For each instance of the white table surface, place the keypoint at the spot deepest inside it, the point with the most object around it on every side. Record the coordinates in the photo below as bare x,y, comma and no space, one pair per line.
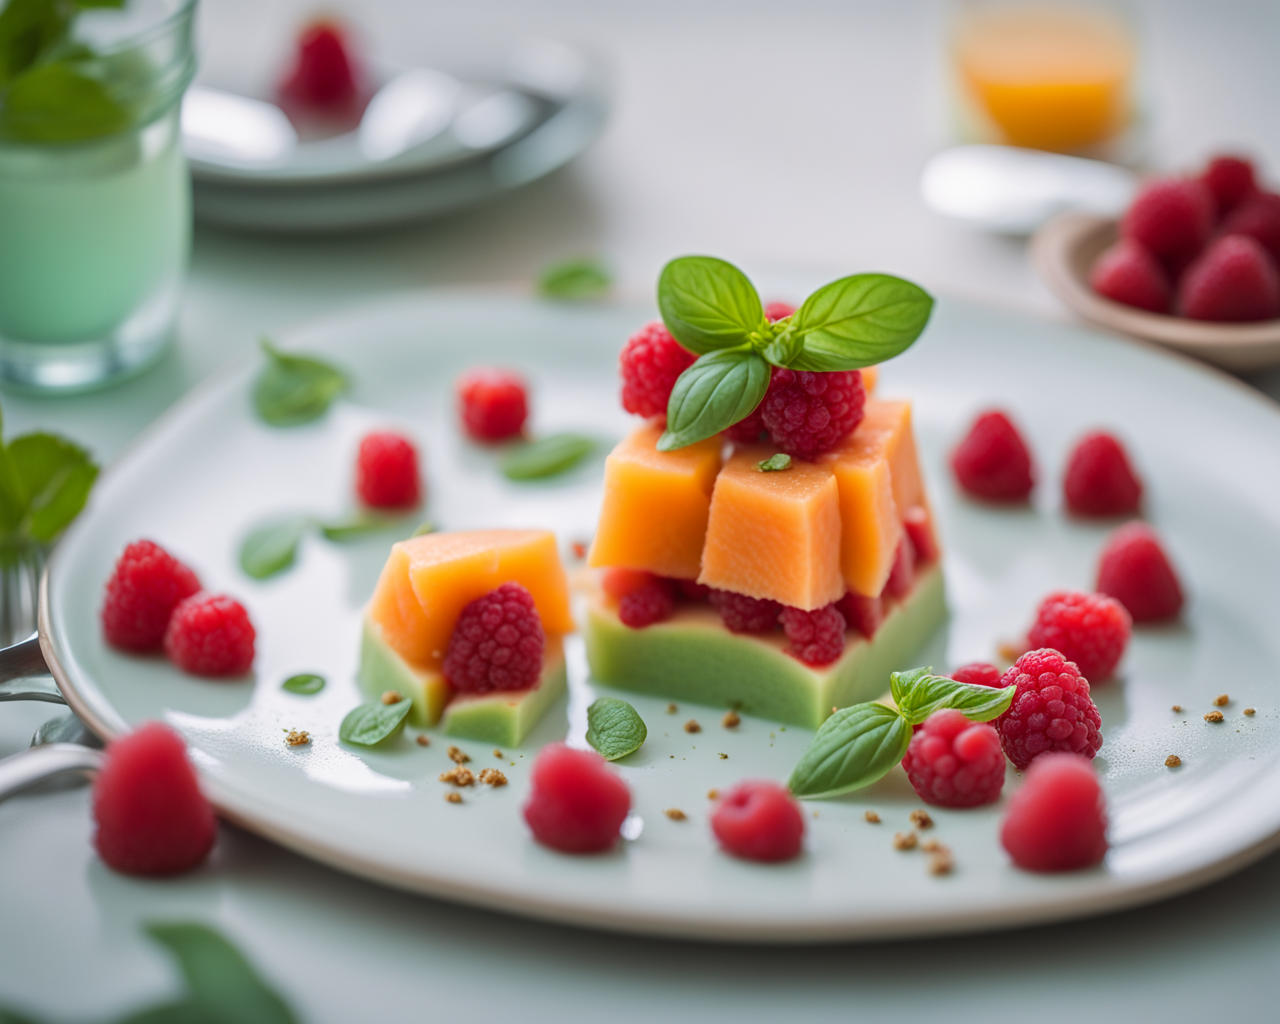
788,138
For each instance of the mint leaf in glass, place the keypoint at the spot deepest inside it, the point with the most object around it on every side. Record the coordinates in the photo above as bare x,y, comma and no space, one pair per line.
374,722
548,456
855,747
774,463
294,389
615,728
717,391
708,304
575,280
272,548
859,321
304,682
59,103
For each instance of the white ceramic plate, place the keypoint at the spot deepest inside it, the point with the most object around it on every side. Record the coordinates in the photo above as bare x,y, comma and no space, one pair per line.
209,470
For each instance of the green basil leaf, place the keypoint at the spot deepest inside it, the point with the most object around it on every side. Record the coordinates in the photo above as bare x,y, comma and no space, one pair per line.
717,391
546,457
708,304
859,321
29,29
575,279
304,682
295,389
373,722
58,103
902,683
56,476
360,525
928,693
272,548
614,728
223,985
423,528
854,747
774,463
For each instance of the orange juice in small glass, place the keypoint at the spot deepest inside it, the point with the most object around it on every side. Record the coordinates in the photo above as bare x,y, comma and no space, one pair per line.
1045,74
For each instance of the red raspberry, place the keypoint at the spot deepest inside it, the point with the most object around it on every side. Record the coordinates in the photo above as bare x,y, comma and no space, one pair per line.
758,821
210,635
749,430
1231,180
993,462
1135,571
1057,819
387,471
916,522
654,602
1173,218
1259,218
650,362
576,804
618,583
807,414
902,576
953,762
693,591
865,614
323,77
142,593
497,643
816,637
1235,280
1100,481
1052,709
152,818
494,404
977,673
779,310
1088,629
1129,274
742,614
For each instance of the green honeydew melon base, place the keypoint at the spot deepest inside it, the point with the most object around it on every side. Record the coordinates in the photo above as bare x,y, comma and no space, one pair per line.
692,657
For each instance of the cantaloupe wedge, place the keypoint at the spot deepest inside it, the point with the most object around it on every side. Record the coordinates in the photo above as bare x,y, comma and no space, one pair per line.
774,535
656,505
870,377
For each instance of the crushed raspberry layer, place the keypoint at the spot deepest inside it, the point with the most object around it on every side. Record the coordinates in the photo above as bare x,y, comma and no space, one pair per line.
993,461
759,821
576,803
742,614
494,404
953,762
1091,630
807,414
653,602
1135,570
147,585
1051,711
497,643
210,635
387,471
1100,480
650,362
1057,818
816,637
865,614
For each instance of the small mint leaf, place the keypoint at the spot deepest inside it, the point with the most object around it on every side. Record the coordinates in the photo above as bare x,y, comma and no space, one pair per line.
855,747
717,391
272,548
294,389
423,528
920,694
548,456
362,524
708,304
774,463
785,349
614,728
575,280
304,683
56,477
859,321
373,722
55,102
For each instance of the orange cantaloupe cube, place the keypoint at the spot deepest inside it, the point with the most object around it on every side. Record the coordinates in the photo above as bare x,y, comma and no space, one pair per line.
428,580
774,535
870,377
656,505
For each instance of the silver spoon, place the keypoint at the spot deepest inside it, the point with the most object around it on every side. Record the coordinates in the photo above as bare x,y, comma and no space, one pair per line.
47,761
24,674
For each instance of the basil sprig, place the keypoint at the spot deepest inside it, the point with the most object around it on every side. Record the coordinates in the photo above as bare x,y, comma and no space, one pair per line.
711,308
373,722
858,745
295,389
615,728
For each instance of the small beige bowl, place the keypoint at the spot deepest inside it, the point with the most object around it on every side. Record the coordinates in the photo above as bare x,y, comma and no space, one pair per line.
1063,252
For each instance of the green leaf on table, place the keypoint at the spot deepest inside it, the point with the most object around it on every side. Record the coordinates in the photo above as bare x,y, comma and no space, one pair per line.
58,102
546,457
774,463
362,524
615,728
373,722
859,321
222,985
56,477
919,693
305,683
855,747
575,279
718,390
708,304
272,548
293,389
423,528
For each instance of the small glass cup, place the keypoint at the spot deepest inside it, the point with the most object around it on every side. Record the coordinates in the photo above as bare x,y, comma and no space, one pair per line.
95,200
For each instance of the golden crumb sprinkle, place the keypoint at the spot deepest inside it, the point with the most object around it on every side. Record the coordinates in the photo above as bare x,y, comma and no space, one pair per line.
453,798
423,740
941,863
675,814
731,720
692,726
1177,708
672,709
498,754
871,817
459,776
1010,652
921,819
391,697
1213,716
905,840
724,757
298,738
492,776
933,846
1222,700
1172,761
457,756
1250,711
713,794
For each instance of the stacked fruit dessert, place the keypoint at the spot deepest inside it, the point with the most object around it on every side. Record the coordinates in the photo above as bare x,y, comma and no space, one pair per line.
469,627
765,540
